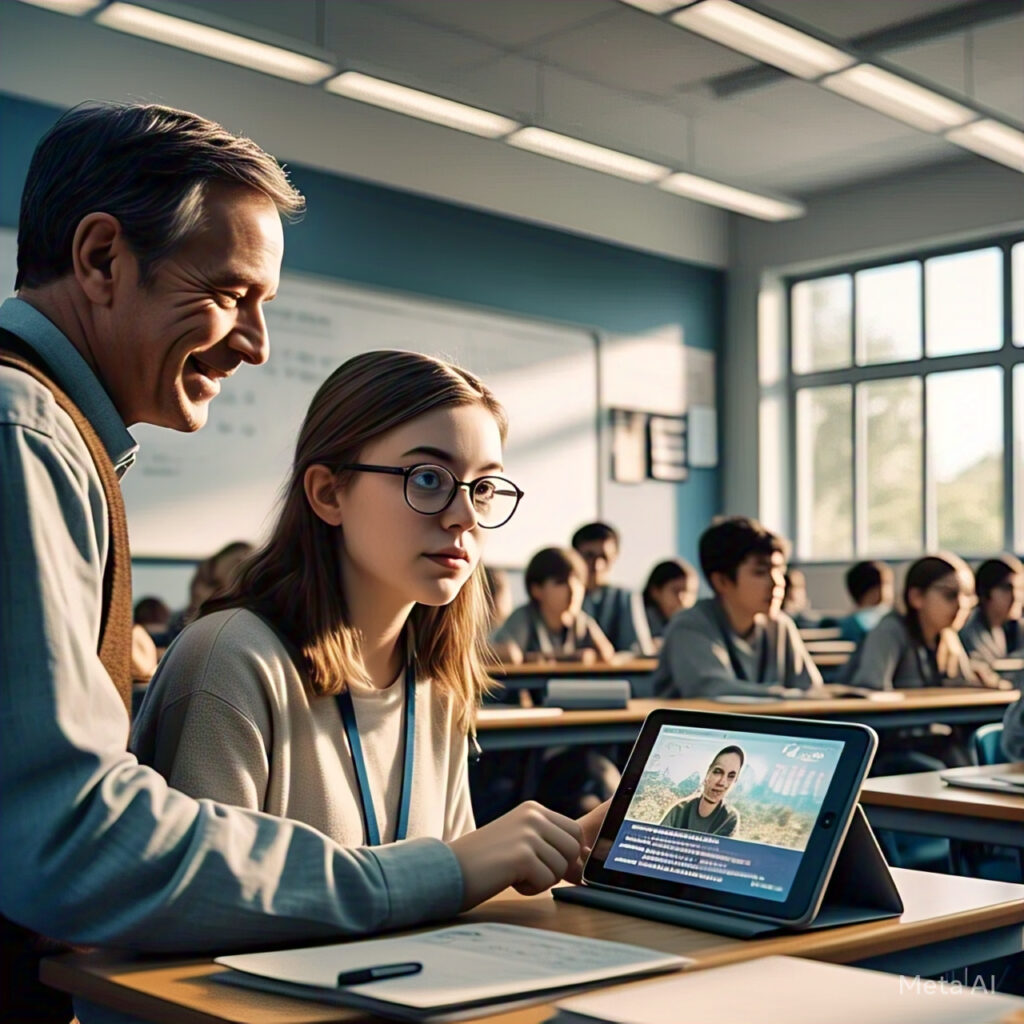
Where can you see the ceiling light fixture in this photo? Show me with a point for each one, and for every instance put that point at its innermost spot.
(763, 38)
(424, 105)
(66, 6)
(731, 197)
(213, 42)
(586, 154)
(658, 6)
(898, 97)
(992, 139)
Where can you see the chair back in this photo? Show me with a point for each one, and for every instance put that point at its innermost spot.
(987, 744)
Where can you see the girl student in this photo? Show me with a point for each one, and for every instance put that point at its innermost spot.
(994, 629)
(671, 587)
(919, 646)
(336, 681)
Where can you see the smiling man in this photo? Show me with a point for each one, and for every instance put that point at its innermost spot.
(739, 641)
(149, 240)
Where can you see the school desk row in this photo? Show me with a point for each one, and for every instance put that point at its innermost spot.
(949, 922)
(511, 728)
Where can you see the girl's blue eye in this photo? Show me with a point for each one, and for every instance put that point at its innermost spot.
(427, 479)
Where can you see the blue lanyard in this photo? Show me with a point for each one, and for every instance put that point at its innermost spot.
(348, 716)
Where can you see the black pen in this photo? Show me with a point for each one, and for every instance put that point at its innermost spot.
(378, 973)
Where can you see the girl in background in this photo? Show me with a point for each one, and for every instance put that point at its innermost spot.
(336, 681)
(993, 630)
(919, 646)
(671, 587)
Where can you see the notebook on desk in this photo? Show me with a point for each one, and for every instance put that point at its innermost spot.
(463, 970)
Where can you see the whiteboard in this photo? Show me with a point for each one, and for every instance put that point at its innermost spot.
(190, 494)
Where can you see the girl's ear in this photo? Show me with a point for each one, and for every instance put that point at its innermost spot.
(915, 598)
(322, 493)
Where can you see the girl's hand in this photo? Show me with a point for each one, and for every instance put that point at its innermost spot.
(590, 823)
(530, 848)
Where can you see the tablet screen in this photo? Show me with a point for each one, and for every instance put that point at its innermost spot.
(726, 810)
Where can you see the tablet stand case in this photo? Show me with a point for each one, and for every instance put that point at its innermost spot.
(860, 889)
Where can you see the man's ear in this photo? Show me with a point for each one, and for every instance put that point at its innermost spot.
(322, 493)
(98, 253)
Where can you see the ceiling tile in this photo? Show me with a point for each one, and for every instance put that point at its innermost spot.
(631, 50)
(372, 39)
(296, 19)
(505, 24)
(845, 19)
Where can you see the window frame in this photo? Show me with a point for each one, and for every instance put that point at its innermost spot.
(1007, 356)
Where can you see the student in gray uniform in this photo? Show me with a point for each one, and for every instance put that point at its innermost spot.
(552, 624)
(993, 630)
(739, 642)
(706, 811)
(869, 585)
(618, 611)
(919, 646)
(671, 587)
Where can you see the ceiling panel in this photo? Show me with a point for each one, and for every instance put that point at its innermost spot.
(297, 18)
(795, 136)
(848, 18)
(509, 25)
(631, 50)
(379, 41)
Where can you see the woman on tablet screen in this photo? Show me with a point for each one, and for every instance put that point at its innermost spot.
(337, 680)
(707, 810)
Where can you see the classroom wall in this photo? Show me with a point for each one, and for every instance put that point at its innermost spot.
(382, 237)
(946, 203)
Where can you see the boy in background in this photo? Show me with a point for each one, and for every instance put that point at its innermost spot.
(552, 624)
(870, 586)
(618, 611)
(738, 642)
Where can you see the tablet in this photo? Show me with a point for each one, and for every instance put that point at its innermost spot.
(744, 813)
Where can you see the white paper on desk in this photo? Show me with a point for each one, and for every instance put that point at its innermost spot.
(462, 964)
(784, 990)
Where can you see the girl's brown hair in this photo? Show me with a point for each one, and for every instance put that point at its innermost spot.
(294, 579)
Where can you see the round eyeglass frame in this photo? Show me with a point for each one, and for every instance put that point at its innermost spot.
(470, 485)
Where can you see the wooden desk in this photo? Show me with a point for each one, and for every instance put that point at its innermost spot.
(515, 729)
(924, 804)
(949, 922)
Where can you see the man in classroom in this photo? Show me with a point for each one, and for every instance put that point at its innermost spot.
(148, 241)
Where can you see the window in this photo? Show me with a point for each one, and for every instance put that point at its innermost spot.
(906, 385)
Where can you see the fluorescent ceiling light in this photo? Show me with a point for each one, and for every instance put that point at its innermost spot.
(213, 42)
(585, 154)
(992, 139)
(423, 105)
(763, 38)
(65, 6)
(658, 6)
(739, 200)
(899, 98)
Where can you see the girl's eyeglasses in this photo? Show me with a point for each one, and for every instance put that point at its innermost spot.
(431, 489)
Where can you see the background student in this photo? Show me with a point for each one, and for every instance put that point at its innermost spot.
(618, 611)
(337, 680)
(739, 641)
(870, 586)
(993, 629)
(671, 587)
(919, 646)
(797, 602)
(552, 624)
